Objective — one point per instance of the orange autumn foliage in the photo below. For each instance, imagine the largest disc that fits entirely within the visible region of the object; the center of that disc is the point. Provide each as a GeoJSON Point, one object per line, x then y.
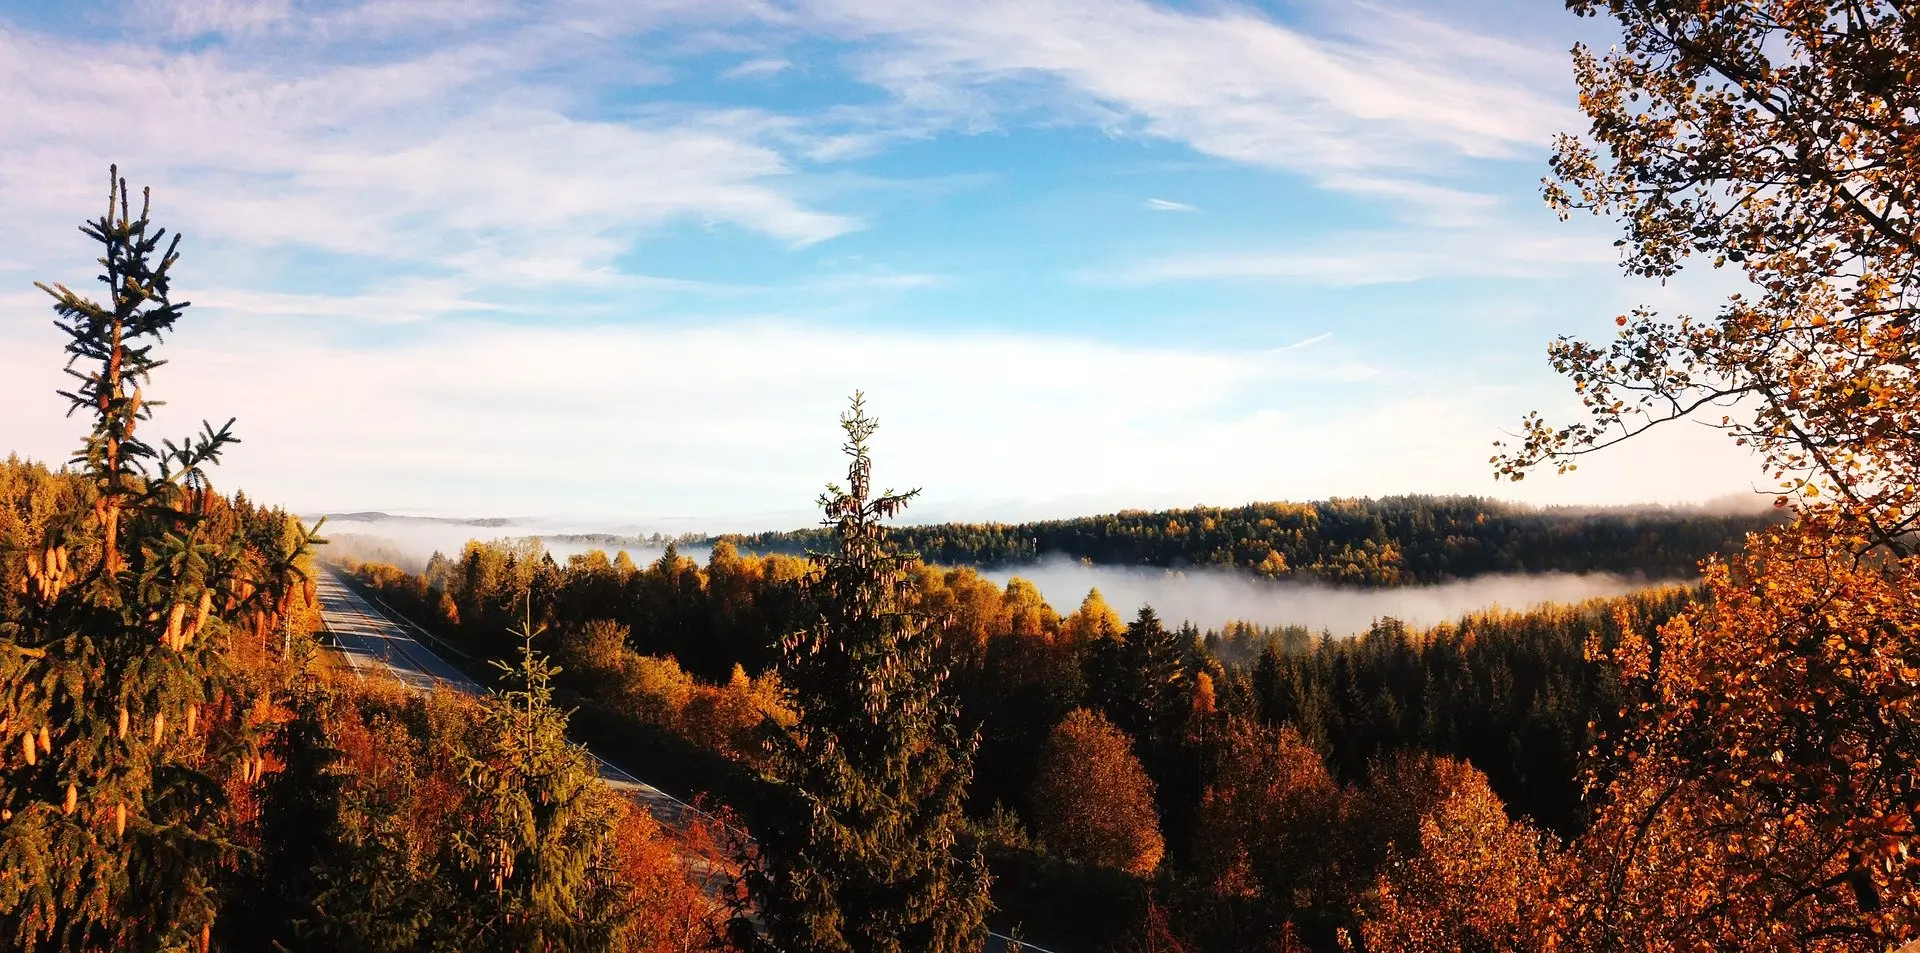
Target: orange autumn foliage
{"type": "Point", "coordinates": [1768, 799]}
{"type": "Point", "coordinates": [1471, 881]}
{"type": "Point", "coordinates": [1266, 818]}
{"type": "Point", "coordinates": [676, 884]}
{"type": "Point", "coordinates": [1768, 795]}
{"type": "Point", "coordinates": [1092, 802]}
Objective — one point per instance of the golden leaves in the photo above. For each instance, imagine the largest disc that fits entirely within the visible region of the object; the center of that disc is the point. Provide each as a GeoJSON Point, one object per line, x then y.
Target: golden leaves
{"type": "Point", "coordinates": [1472, 884]}
{"type": "Point", "coordinates": [1775, 765]}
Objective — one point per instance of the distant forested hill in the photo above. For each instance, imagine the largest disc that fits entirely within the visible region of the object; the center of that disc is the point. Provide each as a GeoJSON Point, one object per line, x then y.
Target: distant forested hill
{"type": "Point", "coordinates": [1399, 540]}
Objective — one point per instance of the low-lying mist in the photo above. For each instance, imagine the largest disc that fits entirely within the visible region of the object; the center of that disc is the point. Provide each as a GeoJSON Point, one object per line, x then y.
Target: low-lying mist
{"type": "Point", "coordinates": [409, 543]}
{"type": "Point", "coordinates": [1210, 598]}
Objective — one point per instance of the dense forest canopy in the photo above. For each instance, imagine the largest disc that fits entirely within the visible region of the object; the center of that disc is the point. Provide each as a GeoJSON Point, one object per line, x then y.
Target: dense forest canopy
{"type": "Point", "coordinates": [1400, 540]}
{"type": "Point", "coordinates": [677, 662]}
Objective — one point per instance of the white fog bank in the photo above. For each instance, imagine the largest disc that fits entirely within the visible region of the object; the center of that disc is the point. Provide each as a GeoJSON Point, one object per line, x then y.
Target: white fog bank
{"type": "Point", "coordinates": [1210, 598]}
{"type": "Point", "coordinates": [407, 542]}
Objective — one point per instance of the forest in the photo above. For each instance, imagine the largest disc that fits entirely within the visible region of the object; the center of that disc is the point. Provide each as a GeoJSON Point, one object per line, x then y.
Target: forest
{"type": "Point", "coordinates": [894, 753]}
{"type": "Point", "coordinates": [684, 656]}
{"type": "Point", "coordinates": [1406, 540]}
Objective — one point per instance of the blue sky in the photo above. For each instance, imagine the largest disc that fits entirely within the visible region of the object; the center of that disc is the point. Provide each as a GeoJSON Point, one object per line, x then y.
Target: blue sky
{"type": "Point", "coordinates": [623, 260]}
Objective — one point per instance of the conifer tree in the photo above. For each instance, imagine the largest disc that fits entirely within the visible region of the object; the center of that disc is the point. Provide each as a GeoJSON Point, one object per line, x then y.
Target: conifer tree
{"type": "Point", "coordinates": [540, 849]}
{"type": "Point", "coordinates": [1139, 679]}
{"type": "Point", "coordinates": [121, 721]}
{"type": "Point", "coordinates": [859, 851]}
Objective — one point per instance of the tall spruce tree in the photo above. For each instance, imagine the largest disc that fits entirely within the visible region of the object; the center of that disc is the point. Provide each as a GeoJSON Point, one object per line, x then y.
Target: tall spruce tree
{"type": "Point", "coordinates": [121, 723]}
{"type": "Point", "coordinates": [860, 848]}
{"type": "Point", "coordinates": [1139, 679]}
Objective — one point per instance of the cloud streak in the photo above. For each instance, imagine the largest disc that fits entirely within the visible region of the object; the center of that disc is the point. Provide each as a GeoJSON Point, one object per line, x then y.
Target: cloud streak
{"type": "Point", "coordinates": [1370, 112]}
{"type": "Point", "coordinates": [440, 157]}
{"type": "Point", "coordinates": [1375, 259]}
{"type": "Point", "coordinates": [759, 67]}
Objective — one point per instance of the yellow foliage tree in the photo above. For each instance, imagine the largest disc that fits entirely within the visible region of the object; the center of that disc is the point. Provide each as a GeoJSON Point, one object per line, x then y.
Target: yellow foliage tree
{"type": "Point", "coordinates": [1095, 619]}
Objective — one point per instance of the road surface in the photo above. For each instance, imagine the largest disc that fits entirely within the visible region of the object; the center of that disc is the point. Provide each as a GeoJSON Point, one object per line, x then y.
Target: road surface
{"type": "Point", "coordinates": [378, 639]}
{"type": "Point", "coordinates": [374, 638]}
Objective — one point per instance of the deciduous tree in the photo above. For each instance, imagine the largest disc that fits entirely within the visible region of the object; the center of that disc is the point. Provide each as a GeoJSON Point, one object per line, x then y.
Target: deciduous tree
{"type": "Point", "coordinates": [1092, 802]}
{"type": "Point", "coordinates": [1767, 800]}
{"type": "Point", "coordinates": [1269, 822]}
{"type": "Point", "coordinates": [1774, 136]}
{"type": "Point", "coordinates": [1471, 882]}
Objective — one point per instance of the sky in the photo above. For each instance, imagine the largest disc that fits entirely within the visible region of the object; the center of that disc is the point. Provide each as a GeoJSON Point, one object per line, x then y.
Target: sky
{"type": "Point", "coordinates": [622, 262]}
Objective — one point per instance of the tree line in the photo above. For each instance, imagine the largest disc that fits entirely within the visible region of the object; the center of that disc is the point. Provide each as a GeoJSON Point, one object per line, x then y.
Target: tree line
{"type": "Point", "coordinates": [1142, 717]}
{"type": "Point", "coordinates": [1392, 541]}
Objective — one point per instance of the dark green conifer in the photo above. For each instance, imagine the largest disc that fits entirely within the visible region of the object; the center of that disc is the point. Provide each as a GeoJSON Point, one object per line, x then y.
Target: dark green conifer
{"type": "Point", "coordinates": [1139, 679]}
{"type": "Point", "coordinates": [300, 829]}
{"type": "Point", "coordinates": [120, 724]}
{"type": "Point", "coordinates": [860, 851]}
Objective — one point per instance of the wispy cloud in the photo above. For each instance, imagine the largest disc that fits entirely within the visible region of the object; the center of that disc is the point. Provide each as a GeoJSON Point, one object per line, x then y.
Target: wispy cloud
{"type": "Point", "coordinates": [391, 155]}
{"type": "Point", "coordinates": [409, 302]}
{"type": "Point", "coordinates": [1304, 342]}
{"type": "Point", "coordinates": [1423, 202]}
{"type": "Point", "coordinates": [1374, 259]}
{"type": "Point", "coordinates": [1168, 205]}
{"type": "Point", "coordinates": [1372, 112]}
{"type": "Point", "coordinates": [323, 129]}
{"type": "Point", "coordinates": [762, 66]}
{"type": "Point", "coordinates": [885, 280]}
{"type": "Point", "coordinates": [193, 18]}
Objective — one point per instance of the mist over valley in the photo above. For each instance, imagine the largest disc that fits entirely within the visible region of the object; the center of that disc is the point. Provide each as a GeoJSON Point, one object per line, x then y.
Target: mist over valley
{"type": "Point", "coordinates": [1211, 598]}
{"type": "Point", "coordinates": [1416, 559]}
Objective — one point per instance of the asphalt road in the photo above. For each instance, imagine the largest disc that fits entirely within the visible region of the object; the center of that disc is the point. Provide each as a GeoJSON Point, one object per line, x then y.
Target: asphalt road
{"type": "Point", "coordinates": [375, 639]}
